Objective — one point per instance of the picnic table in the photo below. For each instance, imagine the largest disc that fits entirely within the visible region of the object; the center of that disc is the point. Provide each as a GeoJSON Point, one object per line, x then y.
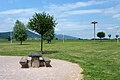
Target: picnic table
{"type": "Point", "coordinates": [35, 62]}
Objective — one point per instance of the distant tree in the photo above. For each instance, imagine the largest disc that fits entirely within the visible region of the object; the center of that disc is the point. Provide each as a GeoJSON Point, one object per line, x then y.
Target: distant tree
{"type": "Point", "coordinates": [109, 35]}
{"type": "Point", "coordinates": [9, 37]}
{"type": "Point", "coordinates": [117, 37]}
{"type": "Point", "coordinates": [101, 35]}
{"type": "Point", "coordinates": [79, 39]}
{"type": "Point", "coordinates": [19, 31]}
{"type": "Point", "coordinates": [49, 35]}
{"type": "Point", "coordinates": [41, 23]}
{"type": "Point", "coordinates": [56, 38]}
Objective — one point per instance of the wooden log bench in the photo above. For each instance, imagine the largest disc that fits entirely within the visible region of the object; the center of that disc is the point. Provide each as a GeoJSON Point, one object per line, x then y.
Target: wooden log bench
{"type": "Point", "coordinates": [24, 62]}
{"type": "Point", "coordinates": [47, 61]}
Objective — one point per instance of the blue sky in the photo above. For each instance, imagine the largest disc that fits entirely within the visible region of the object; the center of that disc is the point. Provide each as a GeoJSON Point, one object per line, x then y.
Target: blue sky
{"type": "Point", "coordinates": [74, 17]}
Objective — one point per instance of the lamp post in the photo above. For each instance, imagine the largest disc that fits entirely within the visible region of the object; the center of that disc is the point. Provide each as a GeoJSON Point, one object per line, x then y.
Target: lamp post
{"type": "Point", "coordinates": [11, 37]}
{"type": "Point", "coordinates": [94, 22]}
{"type": "Point", "coordinates": [63, 37]}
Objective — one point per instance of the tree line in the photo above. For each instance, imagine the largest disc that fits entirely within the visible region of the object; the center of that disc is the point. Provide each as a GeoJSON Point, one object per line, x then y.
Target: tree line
{"type": "Point", "coordinates": [41, 23]}
{"type": "Point", "coordinates": [102, 35]}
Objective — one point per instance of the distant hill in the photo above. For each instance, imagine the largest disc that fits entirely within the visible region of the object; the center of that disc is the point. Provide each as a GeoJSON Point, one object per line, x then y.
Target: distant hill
{"type": "Point", "coordinates": [6, 35]}
{"type": "Point", "coordinates": [66, 37]}
{"type": "Point", "coordinates": [33, 35]}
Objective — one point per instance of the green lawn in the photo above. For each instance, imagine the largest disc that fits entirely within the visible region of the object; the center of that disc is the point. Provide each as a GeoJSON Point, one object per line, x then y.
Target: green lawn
{"type": "Point", "coordinates": [100, 60]}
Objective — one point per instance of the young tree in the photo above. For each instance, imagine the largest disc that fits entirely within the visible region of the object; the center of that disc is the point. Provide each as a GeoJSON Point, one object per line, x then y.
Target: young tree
{"type": "Point", "coordinates": [19, 31]}
{"type": "Point", "coordinates": [56, 38]}
{"type": "Point", "coordinates": [41, 23]}
{"type": "Point", "coordinates": [109, 35]}
{"type": "Point", "coordinates": [101, 35]}
{"type": "Point", "coordinates": [49, 35]}
{"type": "Point", "coordinates": [117, 37]}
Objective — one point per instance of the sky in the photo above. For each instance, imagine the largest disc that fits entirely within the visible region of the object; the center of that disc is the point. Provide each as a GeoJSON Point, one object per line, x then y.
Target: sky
{"type": "Point", "coordinates": [74, 17]}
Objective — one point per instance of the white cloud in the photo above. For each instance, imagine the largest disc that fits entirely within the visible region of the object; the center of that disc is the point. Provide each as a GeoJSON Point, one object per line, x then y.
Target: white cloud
{"type": "Point", "coordinates": [9, 17]}
{"type": "Point", "coordinates": [62, 11]}
{"type": "Point", "coordinates": [24, 20]}
{"type": "Point", "coordinates": [65, 10]}
{"type": "Point", "coordinates": [72, 28]}
{"type": "Point", "coordinates": [6, 24]}
{"type": "Point", "coordinates": [57, 29]}
{"type": "Point", "coordinates": [117, 16]}
{"type": "Point", "coordinates": [91, 11]}
{"type": "Point", "coordinates": [71, 6]}
{"type": "Point", "coordinates": [114, 11]}
{"type": "Point", "coordinates": [18, 11]}
{"type": "Point", "coordinates": [113, 27]}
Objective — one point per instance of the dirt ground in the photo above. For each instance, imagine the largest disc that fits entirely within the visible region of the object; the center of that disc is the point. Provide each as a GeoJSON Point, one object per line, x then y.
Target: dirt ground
{"type": "Point", "coordinates": [10, 69]}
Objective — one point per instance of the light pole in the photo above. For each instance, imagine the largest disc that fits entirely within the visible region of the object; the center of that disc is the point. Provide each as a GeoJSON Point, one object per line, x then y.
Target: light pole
{"type": "Point", "coordinates": [11, 37]}
{"type": "Point", "coordinates": [63, 37]}
{"type": "Point", "coordinates": [94, 22]}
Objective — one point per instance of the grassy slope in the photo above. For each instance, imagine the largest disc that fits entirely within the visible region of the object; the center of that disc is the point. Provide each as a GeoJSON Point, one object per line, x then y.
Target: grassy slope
{"type": "Point", "coordinates": [100, 60]}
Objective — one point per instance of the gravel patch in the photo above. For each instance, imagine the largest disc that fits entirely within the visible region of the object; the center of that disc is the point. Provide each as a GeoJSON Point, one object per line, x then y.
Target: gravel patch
{"type": "Point", "coordinates": [10, 69]}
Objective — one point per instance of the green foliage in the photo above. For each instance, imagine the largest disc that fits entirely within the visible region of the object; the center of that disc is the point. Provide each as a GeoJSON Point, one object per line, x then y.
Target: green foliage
{"type": "Point", "coordinates": [19, 31]}
{"type": "Point", "coordinates": [109, 35]}
{"type": "Point", "coordinates": [101, 35]}
{"type": "Point", "coordinates": [49, 35]}
{"type": "Point", "coordinates": [116, 36]}
{"type": "Point", "coordinates": [41, 23]}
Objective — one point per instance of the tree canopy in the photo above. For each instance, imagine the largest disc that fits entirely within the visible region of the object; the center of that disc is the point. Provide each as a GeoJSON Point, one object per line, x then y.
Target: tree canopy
{"type": "Point", "coordinates": [116, 36]}
{"type": "Point", "coordinates": [19, 31]}
{"type": "Point", "coordinates": [109, 35]}
{"type": "Point", "coordinates": [49, 35]}
{"type": "Point", "coordinates": [41, 23]}
{"type": "Point", "coordinates": [101, 35]}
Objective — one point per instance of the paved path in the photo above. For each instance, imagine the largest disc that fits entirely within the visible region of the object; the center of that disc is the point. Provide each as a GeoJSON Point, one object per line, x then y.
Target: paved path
{"type": "Point", "coordinates": [10, 69]}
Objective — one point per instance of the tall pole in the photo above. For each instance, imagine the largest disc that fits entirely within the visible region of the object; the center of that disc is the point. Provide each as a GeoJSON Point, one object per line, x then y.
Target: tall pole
{"type": "Point", "coordinates": [11, 37]}
{"type": "Point", "coordinates": [63, 37]}
{"type": "Point", "coordinates": [94, 22]}
{"type": "Point", "coordinates": [94, 31]}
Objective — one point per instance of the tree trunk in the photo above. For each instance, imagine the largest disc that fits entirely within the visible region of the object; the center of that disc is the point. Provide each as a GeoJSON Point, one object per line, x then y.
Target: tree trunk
{"type": "Point", "coordinates": [100, 39]}
{"type": "Point", "coordinates": [50, 41]}
{"type": "Point", "coordinates": [47, 41]}
{"type": "Point", "coordinates": [41, 43]}
{"type": "Point", "coordinates": [21, 42]}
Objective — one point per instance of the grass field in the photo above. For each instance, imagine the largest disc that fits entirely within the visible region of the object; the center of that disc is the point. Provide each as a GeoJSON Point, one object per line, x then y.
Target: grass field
{"type": "Point", "coordinates": [100, 60]}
